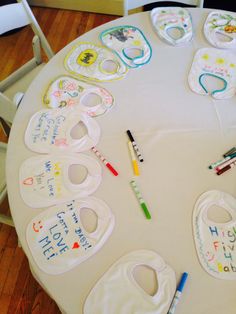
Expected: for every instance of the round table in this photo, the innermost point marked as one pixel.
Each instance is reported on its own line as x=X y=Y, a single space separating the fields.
x=179 y=133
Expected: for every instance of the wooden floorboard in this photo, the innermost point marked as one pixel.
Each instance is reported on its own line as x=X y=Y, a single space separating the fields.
x=19 y=292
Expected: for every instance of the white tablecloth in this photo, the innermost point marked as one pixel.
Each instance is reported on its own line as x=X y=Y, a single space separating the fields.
x=179 y=133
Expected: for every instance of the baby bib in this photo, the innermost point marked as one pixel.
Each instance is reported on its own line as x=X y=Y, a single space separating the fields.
x=49 y=130
x=173 y=24
x=44 y=180
x=95 y=63
x=220 y=29
x=118 y=292
x=69 y=91
x=129 y=43
x=215 y=242
x=58 y=240
x=213 y=63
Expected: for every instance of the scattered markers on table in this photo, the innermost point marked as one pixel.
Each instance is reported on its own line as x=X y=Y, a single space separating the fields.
x=228 y=162
x=178 y=294
x=103 y=159
x=140 y=199
x=136 y=149
x=134 y=161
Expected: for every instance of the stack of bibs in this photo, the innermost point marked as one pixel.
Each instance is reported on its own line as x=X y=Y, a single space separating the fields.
x=215 y=242
x=129 y=43
x=95 y=63
x=220 y=29
x=215 y=63
x=172 y=24
x=58 y=240
x=117 y=292
x=69 y=91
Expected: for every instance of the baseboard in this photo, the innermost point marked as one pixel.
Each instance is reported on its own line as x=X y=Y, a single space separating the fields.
x=114 y=7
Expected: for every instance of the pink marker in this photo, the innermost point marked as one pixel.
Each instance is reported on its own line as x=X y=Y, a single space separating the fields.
x=103 y=159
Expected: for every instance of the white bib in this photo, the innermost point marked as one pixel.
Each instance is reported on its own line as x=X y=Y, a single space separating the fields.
x=129 y=43
x=173 y=24
x=58 y=240
x=117 y=292
x=45 y=181
x=69 y=91
x=93 y=62
x=49 y=130
x=216 y=242
x=213 y=63
x=220 y=29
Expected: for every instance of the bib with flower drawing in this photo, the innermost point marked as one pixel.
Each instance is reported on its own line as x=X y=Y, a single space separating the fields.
x=53 y=179
x=129 y=43
x=213 y=64
x=216 y=241
x=220 y=29
x=94 y=62
x=58 y=240
x=173 y=24
x=69 y=91
x=118 y=292
x=50 y=130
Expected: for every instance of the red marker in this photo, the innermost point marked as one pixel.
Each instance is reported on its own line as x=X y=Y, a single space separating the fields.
x=103 y=159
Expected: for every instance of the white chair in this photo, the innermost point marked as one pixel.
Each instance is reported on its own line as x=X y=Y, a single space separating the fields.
x=13 y=16
x=133 y=4
x=3 y=189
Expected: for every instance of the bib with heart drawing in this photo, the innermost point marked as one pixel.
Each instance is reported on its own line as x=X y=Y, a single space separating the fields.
x=94 y=62
x=220 y=29
x=129 y=43
x=173 y=24
x=58 y=240
x=69 y=91
x=216 y=242
x=211 y=63
x=118 y=292
x=46 y=180
x=49 y=130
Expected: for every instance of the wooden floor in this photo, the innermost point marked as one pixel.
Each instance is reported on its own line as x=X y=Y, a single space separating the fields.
x=19 y=292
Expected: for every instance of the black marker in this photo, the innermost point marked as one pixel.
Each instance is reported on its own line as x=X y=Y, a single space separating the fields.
x=136 y=149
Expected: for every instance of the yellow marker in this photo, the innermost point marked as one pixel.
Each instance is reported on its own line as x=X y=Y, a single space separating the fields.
x=134 y=161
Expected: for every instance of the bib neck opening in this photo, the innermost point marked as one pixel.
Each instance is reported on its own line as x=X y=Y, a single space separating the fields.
x=175 y=32
x=109 y=66
x=91 y=99
x=216 y=83
x=146 y=279
x=79 y=130
x=77 y=174
x=89 y=219
x=133 y=53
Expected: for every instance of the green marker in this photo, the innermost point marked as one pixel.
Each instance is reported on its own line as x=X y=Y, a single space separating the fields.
x=140 y=199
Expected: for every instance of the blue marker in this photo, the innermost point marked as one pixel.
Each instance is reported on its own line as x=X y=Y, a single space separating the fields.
x=178 y=294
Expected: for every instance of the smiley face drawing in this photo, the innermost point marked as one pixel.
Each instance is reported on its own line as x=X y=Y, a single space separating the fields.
x=37 y=226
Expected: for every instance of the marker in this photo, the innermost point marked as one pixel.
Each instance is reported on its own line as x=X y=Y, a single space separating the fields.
x=230 y=152
x=136 y=149
x=226 y=168
x=140 y=199
x=219 y=162
x=103 y=159
x=178 y=294
x=228 y=162
x=134 y=161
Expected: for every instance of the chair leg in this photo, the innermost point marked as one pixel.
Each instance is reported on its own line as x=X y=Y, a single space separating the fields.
x=5 y=127
x=6 y=220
